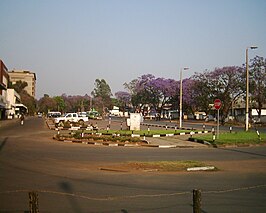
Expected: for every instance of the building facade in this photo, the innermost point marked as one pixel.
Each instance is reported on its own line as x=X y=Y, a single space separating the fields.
x=4 y=79
x=27 y=76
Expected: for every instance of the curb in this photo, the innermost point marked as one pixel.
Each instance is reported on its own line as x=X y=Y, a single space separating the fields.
x=111 y=144
x=203 y=168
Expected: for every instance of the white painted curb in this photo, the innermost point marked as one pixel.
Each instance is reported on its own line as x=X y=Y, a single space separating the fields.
x=204 y=168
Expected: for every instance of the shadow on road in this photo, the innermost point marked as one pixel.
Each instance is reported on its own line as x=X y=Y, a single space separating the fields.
x=72 y=200
x=243 y=152
x=3 y=143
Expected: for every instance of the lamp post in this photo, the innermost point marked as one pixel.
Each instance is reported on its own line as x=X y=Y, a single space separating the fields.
x=247 y=86
x=180 y=96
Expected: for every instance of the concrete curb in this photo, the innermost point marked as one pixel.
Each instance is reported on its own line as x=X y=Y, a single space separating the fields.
x=203 y=168
x=112 y=144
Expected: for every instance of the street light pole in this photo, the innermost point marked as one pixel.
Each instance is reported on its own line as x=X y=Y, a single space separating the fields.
x=181 y=97
x=247 y=88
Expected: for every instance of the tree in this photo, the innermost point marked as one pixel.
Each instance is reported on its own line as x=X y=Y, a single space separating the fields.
x=124 y=99
x=29 y=102
x=153 y=92
x=102 y=95
x=26 y=99
x=46 y=104
x=225 y=83
x=76 y=103
x=258 y=83
x=163 y=90
x=19 y=86
x=61 y=105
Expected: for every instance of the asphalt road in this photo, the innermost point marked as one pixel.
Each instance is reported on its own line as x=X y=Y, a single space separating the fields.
x=68 y=179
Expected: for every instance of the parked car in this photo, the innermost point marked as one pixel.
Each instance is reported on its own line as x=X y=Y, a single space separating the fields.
x=94 y=115
x=53 y=114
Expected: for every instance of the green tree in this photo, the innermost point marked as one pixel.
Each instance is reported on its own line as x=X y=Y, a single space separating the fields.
x=258 y=83
x=19 y=86
x=102 y=95
x=61 y=106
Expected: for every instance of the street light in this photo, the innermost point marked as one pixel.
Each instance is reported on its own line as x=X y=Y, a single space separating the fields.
x=247 y=85
x=181 y=94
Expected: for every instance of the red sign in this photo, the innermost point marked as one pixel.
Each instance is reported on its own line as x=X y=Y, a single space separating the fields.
x=217 y=104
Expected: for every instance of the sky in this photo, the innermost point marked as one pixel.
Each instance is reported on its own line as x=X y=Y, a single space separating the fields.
x=71 y=43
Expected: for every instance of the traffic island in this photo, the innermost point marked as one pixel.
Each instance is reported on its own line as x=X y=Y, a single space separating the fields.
x=159 y=166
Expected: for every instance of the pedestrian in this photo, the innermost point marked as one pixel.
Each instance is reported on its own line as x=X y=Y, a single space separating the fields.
x=22 y=119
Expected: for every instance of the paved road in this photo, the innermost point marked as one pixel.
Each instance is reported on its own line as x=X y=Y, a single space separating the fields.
x=68 y=178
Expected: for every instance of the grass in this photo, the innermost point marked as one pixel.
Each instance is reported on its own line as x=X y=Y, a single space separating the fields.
x=234 y=138
x=165 y=166
x=142 y=132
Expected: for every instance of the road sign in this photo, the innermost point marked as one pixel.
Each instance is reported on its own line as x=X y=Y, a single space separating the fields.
x=217 y=104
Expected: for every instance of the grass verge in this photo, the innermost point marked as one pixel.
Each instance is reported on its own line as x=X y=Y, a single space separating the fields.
x=166 y=166
x=234 y=138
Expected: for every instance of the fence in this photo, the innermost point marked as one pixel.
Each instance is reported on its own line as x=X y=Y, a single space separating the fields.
x=197 y=196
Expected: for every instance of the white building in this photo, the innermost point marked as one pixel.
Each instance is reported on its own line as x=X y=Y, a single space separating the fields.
x=14 y=107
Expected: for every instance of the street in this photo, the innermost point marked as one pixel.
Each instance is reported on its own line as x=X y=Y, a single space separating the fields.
x=68 y=179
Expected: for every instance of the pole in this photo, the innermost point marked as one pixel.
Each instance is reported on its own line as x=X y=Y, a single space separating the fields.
x=218 y=124
x=247 y=90
x=196 y=201
x=180 y=101
x=33 y=202
x=247 y=87
x=181 y=97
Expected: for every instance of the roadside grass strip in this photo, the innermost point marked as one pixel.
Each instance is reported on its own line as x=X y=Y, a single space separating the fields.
x=234 y=138
x=171 y=166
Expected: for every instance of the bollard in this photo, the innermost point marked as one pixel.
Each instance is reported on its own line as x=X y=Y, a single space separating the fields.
x=33 y=202
x=166 y=127
x=204 y=127
x=258 y=133
x=144 y=138
x=213 y=130
x=149 y=129
x=196 y=201
x=175 y=128
x=213 y=136
x=230 y=129
x=82 y=134
x=121 y=126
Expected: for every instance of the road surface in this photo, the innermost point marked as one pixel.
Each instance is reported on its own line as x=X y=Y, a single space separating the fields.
x=68 y=179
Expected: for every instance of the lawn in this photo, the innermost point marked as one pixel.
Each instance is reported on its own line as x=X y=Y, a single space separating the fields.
x=234 y=138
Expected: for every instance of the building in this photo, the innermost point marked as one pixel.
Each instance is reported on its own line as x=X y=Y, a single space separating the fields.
x=27 y=76
x=4 y=79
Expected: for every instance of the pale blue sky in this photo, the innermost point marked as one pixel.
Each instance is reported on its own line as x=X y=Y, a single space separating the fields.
x=69 y=44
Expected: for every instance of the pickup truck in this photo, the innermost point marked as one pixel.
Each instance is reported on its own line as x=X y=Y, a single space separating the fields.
x=71 y=117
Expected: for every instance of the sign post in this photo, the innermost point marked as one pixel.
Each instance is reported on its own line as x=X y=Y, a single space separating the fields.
x=217 y=105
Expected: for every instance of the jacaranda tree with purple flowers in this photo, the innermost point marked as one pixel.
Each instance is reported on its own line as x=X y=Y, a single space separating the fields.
x=154 y=92
x=225 y=83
